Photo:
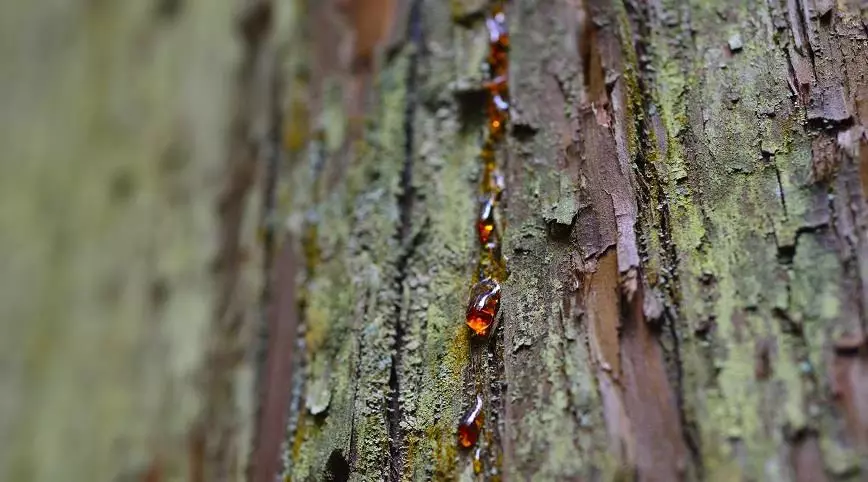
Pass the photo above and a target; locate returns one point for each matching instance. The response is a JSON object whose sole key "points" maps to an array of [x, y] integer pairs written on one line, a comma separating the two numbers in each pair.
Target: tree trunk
{"points": [[685, 218]]}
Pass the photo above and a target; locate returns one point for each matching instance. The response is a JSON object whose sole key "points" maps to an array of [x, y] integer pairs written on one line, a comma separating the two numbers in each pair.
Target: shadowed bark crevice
{"points": [[408, 244]]}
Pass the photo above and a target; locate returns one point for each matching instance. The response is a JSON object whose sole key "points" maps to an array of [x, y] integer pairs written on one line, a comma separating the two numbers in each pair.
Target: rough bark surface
{"points": [[686, 225]]}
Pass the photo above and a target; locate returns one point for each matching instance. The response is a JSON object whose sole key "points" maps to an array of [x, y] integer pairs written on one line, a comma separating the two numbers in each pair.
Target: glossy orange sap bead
{"points": [[470, 425], [483, 306], [485, 222]]}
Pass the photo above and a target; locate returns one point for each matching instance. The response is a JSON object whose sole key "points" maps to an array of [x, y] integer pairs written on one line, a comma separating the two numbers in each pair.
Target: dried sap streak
{"points": [[484, 300]]}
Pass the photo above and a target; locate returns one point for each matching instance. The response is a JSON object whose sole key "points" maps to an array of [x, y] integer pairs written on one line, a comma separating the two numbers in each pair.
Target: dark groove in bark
{"points": [[803, 29], [408, 246], [394, 414], [780, 187], [656, 194], [406, 198]]}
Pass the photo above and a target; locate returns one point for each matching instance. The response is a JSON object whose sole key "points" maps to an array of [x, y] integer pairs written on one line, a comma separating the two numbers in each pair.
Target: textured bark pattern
{"points": [[687, 234], [687, 227]]}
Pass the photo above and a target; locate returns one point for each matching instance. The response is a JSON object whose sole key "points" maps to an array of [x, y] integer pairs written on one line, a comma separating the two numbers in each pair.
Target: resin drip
{"points": [[470, 425], [484, 302]]}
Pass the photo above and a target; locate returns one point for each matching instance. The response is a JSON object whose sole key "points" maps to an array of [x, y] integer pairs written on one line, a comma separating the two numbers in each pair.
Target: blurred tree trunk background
{"points": [[238, 240]]}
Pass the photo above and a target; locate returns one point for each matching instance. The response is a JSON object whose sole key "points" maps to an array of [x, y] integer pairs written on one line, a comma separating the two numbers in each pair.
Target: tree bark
{"points": [[215, 207], [686, 227]]}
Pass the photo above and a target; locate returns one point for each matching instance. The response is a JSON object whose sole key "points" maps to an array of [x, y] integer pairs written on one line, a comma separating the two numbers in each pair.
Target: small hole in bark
{"points": [[850, 344], [523, 132], [558, 231], [337, 468], [826, 17], [471, 108], [786, 254]]}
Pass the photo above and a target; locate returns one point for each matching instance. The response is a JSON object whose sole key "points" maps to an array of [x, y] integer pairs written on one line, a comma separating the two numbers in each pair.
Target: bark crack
{"points": [[799, 28], [408, 245], [781, 193]]}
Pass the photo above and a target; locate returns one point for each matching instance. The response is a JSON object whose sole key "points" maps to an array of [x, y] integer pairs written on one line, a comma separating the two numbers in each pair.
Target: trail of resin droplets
{"points": [[484, 300]]}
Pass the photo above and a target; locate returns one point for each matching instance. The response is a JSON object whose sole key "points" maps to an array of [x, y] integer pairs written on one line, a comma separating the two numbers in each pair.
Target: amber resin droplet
{"points": [[483, 306], [498, 86], [498, 37], [491, 266], [488, 154], [485, 222], [470, 425], [498, 184], [496, 117], [498, 106]]}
